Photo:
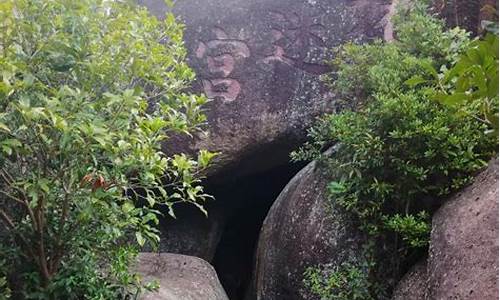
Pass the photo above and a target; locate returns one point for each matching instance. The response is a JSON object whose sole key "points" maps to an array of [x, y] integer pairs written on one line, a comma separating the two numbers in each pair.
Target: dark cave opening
{"points": [[243, 192], [248, 200]]}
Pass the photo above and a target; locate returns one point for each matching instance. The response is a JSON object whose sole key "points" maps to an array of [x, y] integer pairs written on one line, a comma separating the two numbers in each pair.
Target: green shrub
{"points": [[398, 151], [424, 35], [365, 70], [414, 229], [88, 91], [5, 292], [347, 282], [471, 85]]}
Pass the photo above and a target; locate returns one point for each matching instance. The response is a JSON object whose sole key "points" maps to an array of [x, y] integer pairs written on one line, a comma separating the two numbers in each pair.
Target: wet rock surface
{"points": [[463, 261], [180, 277]]}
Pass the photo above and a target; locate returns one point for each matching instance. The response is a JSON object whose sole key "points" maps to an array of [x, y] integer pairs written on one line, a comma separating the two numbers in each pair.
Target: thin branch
{"points": [[10, 181], [13, 198], [62, 221], [44, 271], [7, 220], [9, 224]]}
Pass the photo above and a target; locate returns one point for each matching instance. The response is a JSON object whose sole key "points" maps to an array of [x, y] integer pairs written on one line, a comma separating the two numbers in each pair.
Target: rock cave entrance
{"points": [[247, 200]]}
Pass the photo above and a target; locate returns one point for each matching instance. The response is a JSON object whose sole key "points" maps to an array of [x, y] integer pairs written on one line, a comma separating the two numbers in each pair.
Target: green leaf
{"points": [[4, 128], [43, 183], [336, 187], [201, 208], [171, 210], [127, 207], [140, 239], [181, 162], [427, 65], [10, 145], [7, 150], [454, 99], [151, 200], [34, 198], [205, 157], [415, 80]]}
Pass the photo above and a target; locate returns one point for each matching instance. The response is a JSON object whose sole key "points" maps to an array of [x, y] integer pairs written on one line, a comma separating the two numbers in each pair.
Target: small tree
{"points": [[88, 91]]}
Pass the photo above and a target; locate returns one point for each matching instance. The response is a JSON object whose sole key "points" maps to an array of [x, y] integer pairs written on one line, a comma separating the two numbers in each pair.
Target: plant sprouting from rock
{"points": [[345, 282]]}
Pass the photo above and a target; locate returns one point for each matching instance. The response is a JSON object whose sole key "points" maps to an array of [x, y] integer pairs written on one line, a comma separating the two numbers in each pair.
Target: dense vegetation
{"points": [[419, 118], [88, 91]]}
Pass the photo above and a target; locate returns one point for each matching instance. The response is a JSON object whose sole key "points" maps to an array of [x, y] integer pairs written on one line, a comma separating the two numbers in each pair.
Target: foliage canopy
{"points": [[415, 126], [88, 92]]}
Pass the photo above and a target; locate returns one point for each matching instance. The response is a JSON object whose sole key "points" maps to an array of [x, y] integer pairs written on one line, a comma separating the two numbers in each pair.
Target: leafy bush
{"points": [[5, 292], [347, 282], [414, 229], [399, 150], [88, 91], [364, 70], [471, 82], [424, 35]]}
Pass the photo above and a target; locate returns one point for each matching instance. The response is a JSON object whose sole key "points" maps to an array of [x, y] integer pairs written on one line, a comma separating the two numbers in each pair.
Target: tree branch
{"points": [[9, 224]]}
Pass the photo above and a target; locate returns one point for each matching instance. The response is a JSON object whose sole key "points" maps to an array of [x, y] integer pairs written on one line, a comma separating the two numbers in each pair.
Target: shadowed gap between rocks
{"points": [[228, 237], [248, 201], [244, 192]]}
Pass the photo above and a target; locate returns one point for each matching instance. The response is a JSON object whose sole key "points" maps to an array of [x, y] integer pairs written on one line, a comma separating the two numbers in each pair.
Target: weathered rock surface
{"points": [[467, 14], [193, 233], [302, 230], [261, 61], [413, 285], [463, 261], [463, 255], [181, 277]]}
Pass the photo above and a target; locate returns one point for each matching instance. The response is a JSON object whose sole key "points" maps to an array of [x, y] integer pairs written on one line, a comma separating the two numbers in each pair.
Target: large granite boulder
{"points": [[463, 261], [260, 61], [413, 286], [463, 254], [302, 230], [181, 277]]}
